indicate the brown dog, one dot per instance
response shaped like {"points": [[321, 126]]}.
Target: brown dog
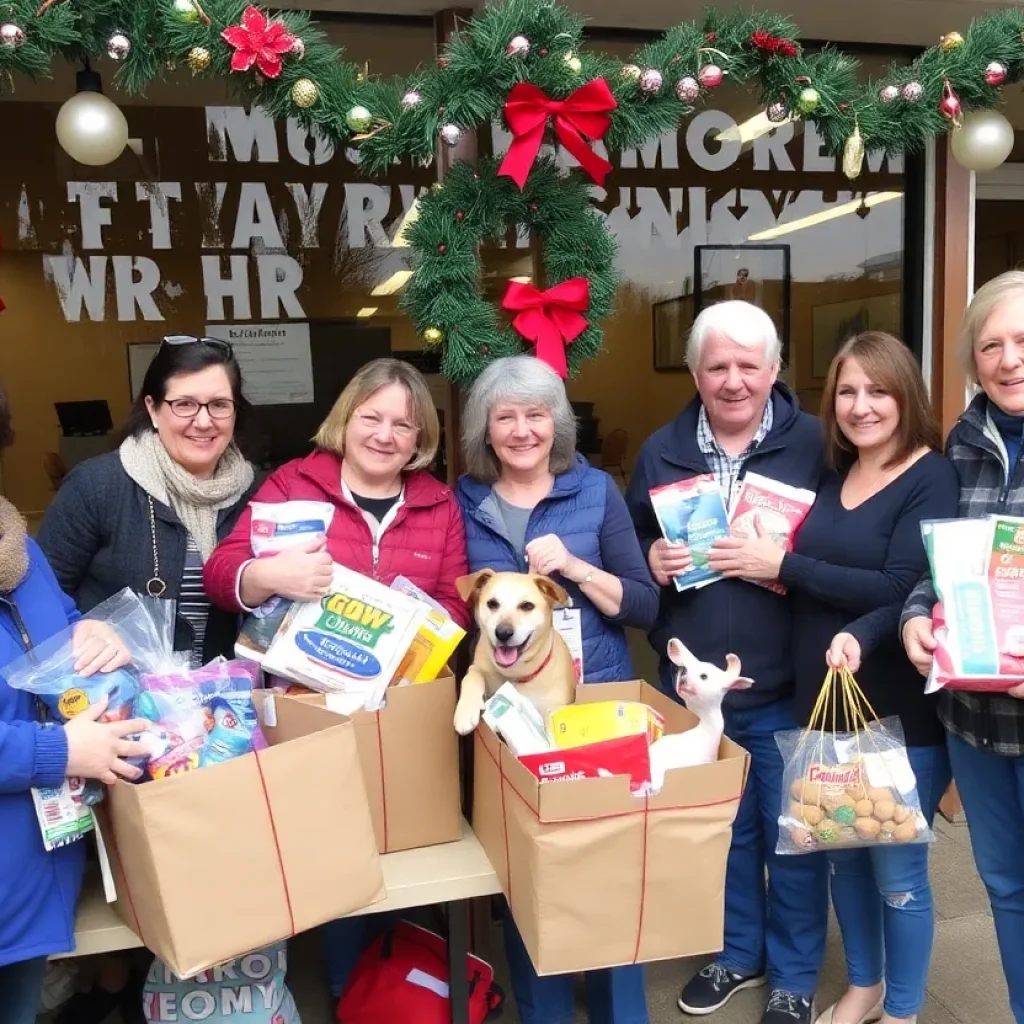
{"points": [[518, 643]]}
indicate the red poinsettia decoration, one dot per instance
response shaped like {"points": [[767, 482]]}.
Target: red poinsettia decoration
{"points": [[768, 43], [260, 41]]}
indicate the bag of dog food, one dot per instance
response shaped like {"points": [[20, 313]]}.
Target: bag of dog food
{"points": [[846, 789]]}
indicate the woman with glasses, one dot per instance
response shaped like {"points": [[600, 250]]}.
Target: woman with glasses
{"points": [[392, 518], [147, 516]]}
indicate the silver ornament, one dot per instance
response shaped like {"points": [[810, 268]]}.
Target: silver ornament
{"points": [[912, 92], [777, 112], [651, 81], [451, 134], [411, 99], [518, 46], [11, 35], [118, 46], [889, 93], [687, 89], [983, 141]]}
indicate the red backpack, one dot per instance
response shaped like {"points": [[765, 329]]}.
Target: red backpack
{"points": [[403, 976]]}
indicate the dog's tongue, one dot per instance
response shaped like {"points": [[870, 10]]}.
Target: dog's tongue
{"points": [[506, 656]]}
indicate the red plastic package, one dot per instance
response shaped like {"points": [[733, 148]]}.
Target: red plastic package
{"points": [[625, 755]]}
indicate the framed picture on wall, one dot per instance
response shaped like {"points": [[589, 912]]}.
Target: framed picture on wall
{"points": [[671, 320], [759, 274], [836, 322]]}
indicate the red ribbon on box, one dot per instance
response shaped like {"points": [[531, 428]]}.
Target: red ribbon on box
{"points": [[550, 319], [583, 112]]}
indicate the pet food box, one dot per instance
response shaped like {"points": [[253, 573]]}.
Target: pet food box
{"points": [[410, 758], [212, 864], [597, 877]]}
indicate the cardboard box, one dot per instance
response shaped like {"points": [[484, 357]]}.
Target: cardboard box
{"points": [[597, 877], [410, 757], [224, 860]]}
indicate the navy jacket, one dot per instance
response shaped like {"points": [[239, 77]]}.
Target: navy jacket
{"points": [[38, 890], [587, 512], [730, 615]]}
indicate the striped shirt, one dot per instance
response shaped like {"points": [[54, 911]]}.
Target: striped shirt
{"points": [[193, 604], [726, 467]]}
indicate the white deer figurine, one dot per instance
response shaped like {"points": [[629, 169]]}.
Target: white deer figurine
{"points": [[702, 687]]}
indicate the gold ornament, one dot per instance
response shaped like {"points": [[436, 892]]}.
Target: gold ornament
{"points": [[436, 187], [853, 154], [359, 119], [432, 335], [305, 93], [199, 58], [951, 40]]}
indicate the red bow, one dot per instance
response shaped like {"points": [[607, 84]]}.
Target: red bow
{"points": [[584, 112], [551, 319]]}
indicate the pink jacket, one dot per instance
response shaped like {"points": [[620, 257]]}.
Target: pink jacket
{"points": [[425, 542]]}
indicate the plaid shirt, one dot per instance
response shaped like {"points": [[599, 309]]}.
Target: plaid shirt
{"points": [[727, 467], [986, 486]]}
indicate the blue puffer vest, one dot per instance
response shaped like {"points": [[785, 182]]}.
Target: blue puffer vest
{"points": [[575, 511]]}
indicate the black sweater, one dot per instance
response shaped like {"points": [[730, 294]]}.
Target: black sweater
{"points": [[852, 570]]}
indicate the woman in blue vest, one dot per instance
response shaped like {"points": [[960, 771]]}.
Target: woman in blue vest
{"points": [[531, 503]]}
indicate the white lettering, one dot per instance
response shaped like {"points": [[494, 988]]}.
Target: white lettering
{"points": [[198, 1005], [236, 1000], [297, 135], [256, 218], [667, 147], [654, 218], [136, 291], [280, 279], [366, 207], [168, 1006], [815, 159], [877, 157], [256, 965], [158, 193], [707, 123], [308, 206], [211, 201], [245, 131], [78, 288], [94, 217], [772, 146], [235, 287]]}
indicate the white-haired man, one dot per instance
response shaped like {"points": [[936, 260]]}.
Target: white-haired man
{"points": [[742, 418]]}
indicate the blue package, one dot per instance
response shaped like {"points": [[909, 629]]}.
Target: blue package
{"points": [[235, 730], [76, 693]]}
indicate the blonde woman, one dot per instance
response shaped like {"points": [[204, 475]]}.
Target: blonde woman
{"points": [[392, 518]]}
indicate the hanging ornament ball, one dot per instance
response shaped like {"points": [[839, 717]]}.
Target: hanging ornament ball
{"points": [[995, 73], [199, 58], [305, 94], [358, 119], [711, 76], [186, 10], [91, 129], [809, 100], [442, 249], [889, 93], [118, 46], [777, 112], [984, 140], [949, 105], [913, 92], [298, 50], [951, 40], [460, 216], [573, 62], [651, 81], [11, 36], [432, 335], [411, 99], [518, 46], [630, 72], [853, 154], [687, 89], [451, 134]]}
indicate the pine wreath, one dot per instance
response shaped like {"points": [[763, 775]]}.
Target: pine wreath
{"points": [[445, 299]]}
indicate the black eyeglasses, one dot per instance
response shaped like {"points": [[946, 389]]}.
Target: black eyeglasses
{"points": [[192, 339], [189, 408]]}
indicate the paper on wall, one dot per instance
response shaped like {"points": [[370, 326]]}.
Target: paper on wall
{"points": [[276, 362]]}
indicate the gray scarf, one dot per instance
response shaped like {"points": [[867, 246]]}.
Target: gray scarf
{"points": [[195, 502]]}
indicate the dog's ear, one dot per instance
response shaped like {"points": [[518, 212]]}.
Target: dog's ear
{"points": [[552, 591], [469, 587]]}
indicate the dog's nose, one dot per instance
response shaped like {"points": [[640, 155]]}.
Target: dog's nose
{"points": [[504, 632]]}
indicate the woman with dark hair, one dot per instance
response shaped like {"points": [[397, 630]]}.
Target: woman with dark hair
{"points": [[147, 517], [855, 560], [39, 888]]}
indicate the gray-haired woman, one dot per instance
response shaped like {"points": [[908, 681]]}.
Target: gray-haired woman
{"points": [[532, 504]]}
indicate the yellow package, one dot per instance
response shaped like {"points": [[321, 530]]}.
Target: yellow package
{"points": [[579, 724], [434, 643]]}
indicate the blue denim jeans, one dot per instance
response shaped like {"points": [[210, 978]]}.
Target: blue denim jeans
{"points": [[614, 996], [883, 901], [992, 790], [21, 990], [345, 940], [781, 929]]}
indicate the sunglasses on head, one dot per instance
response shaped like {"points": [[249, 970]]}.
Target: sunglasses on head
{"points": [[191, 339]]}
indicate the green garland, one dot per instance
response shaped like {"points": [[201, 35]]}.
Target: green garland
{"points": [[508, 43], [475, 204]]}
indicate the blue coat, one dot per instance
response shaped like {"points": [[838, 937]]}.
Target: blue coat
{"points": [[729, 615], [586, 510], [38, 890]]}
